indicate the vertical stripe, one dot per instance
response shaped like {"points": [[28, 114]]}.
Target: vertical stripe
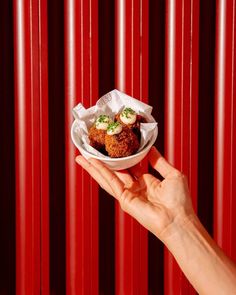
{"points": [[182, 33], [44, 148], [31, 143], [224, 160], [81, 85], [131, 76]]}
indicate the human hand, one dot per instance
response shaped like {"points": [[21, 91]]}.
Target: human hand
{"points": [[156, 204]]}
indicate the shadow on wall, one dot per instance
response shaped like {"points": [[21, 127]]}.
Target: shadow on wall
{"points": [[56, 146], [57, 138], [7, 170]]}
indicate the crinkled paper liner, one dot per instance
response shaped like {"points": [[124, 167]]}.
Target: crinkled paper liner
{"points": [[111, 104]]}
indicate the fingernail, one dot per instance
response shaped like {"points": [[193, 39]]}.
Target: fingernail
{"points": [[77, 160]]}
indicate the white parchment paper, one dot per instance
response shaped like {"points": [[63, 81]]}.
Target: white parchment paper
{"points": [[111, 104]]}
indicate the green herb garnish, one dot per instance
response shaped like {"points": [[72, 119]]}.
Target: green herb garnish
{"points": [[103, 119], [112, 126], [127, 111]]}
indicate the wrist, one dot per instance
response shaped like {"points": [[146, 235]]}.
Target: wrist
{"points": [[205, 265], [183, 222]]}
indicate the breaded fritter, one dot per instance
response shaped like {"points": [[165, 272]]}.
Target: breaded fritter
{"points": [[97, 138], [97, 132], [135, 126], [123, 144]]}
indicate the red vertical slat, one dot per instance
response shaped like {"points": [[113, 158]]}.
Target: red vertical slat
{"points": [[225, 131], [44, 148], [81, 85], [131, 77], [182, 32], [30, 61]]}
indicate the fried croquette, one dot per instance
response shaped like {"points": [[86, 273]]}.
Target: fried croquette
{"points": [[130, 119], [98, 131], [122, 144], [97, 138]]}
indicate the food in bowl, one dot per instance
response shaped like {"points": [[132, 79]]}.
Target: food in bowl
{"points": [[129, 118], [98, 131], [120, 141], [111, 104], [117, 139]]}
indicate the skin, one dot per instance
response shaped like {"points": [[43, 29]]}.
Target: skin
{"points": [[165, 208]]}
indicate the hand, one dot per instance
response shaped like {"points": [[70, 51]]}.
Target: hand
{"points": [[156, 204]]}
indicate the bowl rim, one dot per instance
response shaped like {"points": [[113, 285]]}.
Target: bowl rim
{"points": [[109, 159]]}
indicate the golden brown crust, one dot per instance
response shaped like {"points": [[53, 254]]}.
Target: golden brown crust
{"points": [[97, 138], [135, 126], [119, 145], [123, 144]]}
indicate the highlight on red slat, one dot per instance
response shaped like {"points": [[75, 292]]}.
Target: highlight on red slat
{"points": [[44, 145], [81, 85], [224, 145], [31, 147], [178, 56], [181, 122], [131, 77]]}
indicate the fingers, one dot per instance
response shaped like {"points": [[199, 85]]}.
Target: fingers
{"points": [[133, 204], [125, 177], [94, 173], [159, 163], [149, 181], [110, 177]]}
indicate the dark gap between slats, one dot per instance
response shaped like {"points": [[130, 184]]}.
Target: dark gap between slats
{"points": [[156, 99], [56, 145], [206, 113], [106, 202], [7, 159]]}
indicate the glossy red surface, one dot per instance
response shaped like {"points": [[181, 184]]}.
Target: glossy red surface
{"points": [[31, 152], [181, 114], [44, 145], [224, 160], [81, 85], [182, 103], [131, 76]]}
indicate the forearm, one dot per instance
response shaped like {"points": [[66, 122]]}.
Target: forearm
{"points": [[205, 265]]}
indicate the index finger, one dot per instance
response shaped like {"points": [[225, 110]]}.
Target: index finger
{"points": [[94, 173], [114, 182], [159, 163]]}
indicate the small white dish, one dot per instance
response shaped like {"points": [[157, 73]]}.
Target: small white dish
{"points": [[114, 163]]}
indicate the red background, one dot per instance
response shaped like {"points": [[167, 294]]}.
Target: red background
{"points": [[60, 233]]}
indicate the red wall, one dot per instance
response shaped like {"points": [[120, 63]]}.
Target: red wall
{"points": [[60, 233]]}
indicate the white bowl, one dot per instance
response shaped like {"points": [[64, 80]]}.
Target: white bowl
{"points": [[114, 163]]}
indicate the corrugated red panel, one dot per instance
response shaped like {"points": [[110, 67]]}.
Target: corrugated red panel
{"points": [[131, 77], [81, 85], [128, 60], [31, 152], [44, 141], [181, 113], [225, 108]]}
